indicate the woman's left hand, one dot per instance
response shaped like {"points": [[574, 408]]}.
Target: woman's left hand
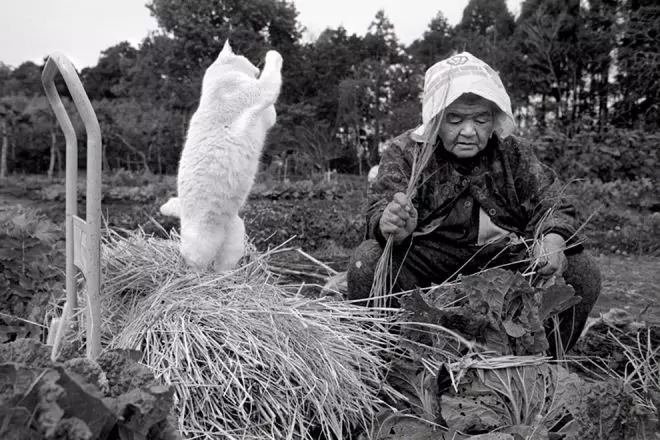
{"points": [[549, 255]]}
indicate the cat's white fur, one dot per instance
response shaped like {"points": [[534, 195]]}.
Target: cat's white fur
{"points": [[220, 157]]}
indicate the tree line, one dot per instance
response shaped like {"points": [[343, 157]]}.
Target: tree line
{"points": [[569, 66]]}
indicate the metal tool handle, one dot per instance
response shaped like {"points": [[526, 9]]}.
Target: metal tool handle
{"points": [[83, 238]]}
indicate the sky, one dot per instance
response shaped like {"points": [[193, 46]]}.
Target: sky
{"points": [[81, 29]]}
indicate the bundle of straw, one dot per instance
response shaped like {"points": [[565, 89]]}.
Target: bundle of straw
{"points": [[247, 359]]}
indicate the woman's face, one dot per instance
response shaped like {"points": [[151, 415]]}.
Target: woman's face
{"points": [[467, 125]]}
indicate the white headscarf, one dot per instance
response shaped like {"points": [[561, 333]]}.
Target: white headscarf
{"points": [[448, 79]]}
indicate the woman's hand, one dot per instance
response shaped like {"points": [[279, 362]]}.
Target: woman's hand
{"points": [[549, 255], [399, 218]]}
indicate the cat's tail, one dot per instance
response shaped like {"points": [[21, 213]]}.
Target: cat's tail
{"points": [[171, 207]]}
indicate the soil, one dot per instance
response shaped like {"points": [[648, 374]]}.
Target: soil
{"points": [[631, 283]]}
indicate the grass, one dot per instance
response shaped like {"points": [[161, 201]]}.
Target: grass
{"points": [[642, 376]]}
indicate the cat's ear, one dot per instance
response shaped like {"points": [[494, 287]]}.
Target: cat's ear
{"points": [[226, 49]]}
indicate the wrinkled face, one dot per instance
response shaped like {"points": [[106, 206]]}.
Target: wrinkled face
{"points": [[467, 125]]}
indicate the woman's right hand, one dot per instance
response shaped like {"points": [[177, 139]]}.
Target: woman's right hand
{"points": [[399, 218]]}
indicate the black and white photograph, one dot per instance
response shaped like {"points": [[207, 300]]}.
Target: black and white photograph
{"points": [[343, 220]]}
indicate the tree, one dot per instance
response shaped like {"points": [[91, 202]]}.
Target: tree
{"points": [[352, 116], [108, 79], [596, 43], [548, 62], [436, 43], [41, 118], [564, 56], [378, 102], [252, 25], [32, 138], [333, 57], [381, 42], [638, 59], [5, 75], [138, 135], [196, 31], [24, 80], [11, 117], [163, 74], [386, 55], [487, 18], [485, 31]]}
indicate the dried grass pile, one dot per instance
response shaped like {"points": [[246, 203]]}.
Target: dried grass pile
{"points": [[247, 358]]}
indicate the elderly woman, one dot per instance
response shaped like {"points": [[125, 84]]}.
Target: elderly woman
{"points": [[480, 201]]}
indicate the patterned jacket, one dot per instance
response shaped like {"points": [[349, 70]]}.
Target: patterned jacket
{"points": [[507, 180]]}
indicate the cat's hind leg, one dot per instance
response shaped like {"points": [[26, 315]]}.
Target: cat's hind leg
{"points": [[233, 247], [200, 243], [171, 207]]}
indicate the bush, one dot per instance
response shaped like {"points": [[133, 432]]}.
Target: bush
{"points": [[608, 155], [315, 223], [31, 269], [626, 215]]}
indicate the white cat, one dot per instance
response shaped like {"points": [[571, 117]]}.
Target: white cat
{"points": [[220, 157]]}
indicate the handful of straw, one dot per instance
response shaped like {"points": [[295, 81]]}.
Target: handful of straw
{"points": [[384, 276]]}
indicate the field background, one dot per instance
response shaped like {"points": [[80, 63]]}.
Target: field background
{"points": [[323, 217]]}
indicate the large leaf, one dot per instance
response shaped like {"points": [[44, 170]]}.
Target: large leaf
{"points": [[15, 424], [405, 427], [141, 410], [62, 397], [473, 407], [497, 308], [556, 299], [70, 399]]}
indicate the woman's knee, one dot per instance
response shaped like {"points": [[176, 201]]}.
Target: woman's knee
{"points": [[583, 273], [361, 269]]}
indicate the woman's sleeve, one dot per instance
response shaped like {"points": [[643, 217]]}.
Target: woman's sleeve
{"points": [[393, 176], [545, 200]]}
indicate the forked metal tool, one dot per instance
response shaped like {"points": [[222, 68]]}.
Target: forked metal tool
{"points": [[83, 237]]}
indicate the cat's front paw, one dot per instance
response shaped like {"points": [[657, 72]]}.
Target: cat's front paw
{"points": [[274, 60]]}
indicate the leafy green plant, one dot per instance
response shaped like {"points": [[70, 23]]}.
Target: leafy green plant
{"points": [[538, 399], [496, 308], [524, 394], [146, 193], [607, 155], [618, 346], [314, 224], [113, 397], [319, 213], [31, 262]]}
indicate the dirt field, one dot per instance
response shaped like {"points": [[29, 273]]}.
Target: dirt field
{"points": [[629, 282]]}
